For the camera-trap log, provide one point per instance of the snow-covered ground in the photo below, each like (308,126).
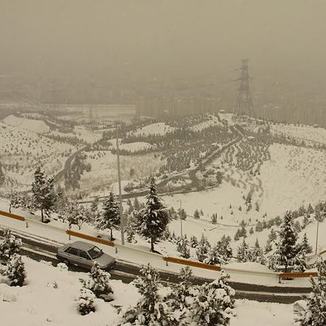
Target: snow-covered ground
(33,125)
(301,132)
(39,303)
(103,175)
(211,121)
(294,176)
(159,129)
(23,150)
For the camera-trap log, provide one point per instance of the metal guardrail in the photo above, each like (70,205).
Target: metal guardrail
(191,263)
(168,259)
(90,238)
(290,275)
(13,216)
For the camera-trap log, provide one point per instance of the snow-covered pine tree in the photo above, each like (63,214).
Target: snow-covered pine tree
(288,239)
(43,192)
(183,248)
(150,310)
(314,314)
(151,222)
(193,241)
(213,303)
(224,248)
(110,218)
(74,214)
(257,254)
(242,254)
(214,256)
(99,283)
(94,209)
(305,247)
(15,201)
(196,214)
(181,296)
(9,246)
(86,302)
(130,232)
(202,249)
(15,271)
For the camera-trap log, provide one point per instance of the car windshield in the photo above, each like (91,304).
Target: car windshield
(95,252)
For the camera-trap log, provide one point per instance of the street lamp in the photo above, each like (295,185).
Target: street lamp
(122,227)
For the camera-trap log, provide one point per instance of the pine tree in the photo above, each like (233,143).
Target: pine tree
(288,238)
(214,256)
(196,214)
(110,218)
(242,254)
(213,303)
(183,248)
(193,241)
(202,249)
(305,247)
(257,254)
(9,246)
(98,283)
(74,214)
(150,309)
(86,302)
(182,214)
(15,271)
(94,209)
(181,296)
(224,248)
(43,192)
(151,222)
(314,314)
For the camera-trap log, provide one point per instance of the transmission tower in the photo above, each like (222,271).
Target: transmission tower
(244,103)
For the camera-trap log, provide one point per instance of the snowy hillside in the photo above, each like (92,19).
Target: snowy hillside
(37,126)
(61,289)
(159,129)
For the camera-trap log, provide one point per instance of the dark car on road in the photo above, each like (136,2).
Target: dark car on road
(84,255)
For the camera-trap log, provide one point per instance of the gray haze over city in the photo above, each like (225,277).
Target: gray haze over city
(111,52)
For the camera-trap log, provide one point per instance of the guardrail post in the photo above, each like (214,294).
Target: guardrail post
(116,250)
(26,224)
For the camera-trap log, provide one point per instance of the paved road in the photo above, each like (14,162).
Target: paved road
(127,272)
(192,174)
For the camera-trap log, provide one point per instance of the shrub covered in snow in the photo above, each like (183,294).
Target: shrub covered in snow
(86,302)
(9,246)
(314,313)
(98,283)
(15,271)
(213,303)
(151,309)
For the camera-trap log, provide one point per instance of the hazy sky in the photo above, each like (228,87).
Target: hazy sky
(284,39)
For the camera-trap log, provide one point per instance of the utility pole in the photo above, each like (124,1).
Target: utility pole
(119,183)
(317,235)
